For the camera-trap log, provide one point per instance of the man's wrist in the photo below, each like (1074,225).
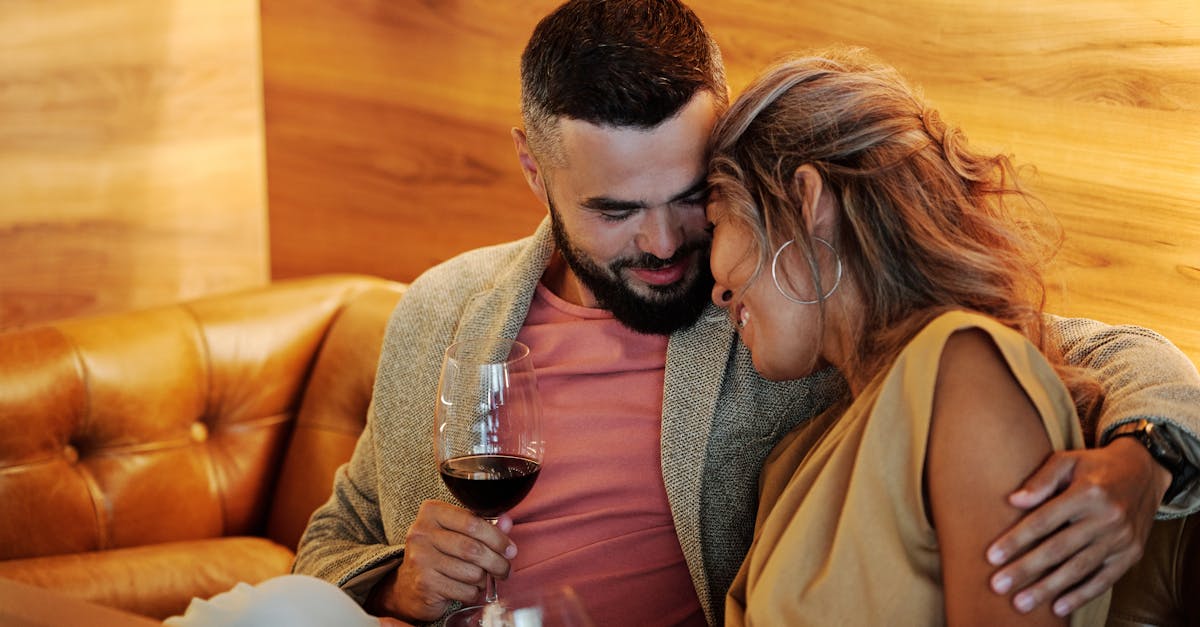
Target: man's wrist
(1163,450)
(379,602)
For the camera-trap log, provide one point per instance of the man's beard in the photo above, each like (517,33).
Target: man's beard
(676,307)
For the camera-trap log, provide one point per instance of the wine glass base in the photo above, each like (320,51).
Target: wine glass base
(473,616)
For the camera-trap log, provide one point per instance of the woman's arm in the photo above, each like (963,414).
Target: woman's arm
(986,437)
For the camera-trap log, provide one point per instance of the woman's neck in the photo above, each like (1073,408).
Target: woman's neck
(843,327)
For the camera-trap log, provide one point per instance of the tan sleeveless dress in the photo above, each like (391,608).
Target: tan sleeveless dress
(842,537)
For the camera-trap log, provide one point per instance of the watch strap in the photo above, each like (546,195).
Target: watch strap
(1164,451)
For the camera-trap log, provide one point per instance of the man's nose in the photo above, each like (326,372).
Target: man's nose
(661,232)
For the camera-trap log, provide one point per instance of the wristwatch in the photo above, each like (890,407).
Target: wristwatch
(1163,450)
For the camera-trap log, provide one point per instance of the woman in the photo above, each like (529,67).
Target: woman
(853,229)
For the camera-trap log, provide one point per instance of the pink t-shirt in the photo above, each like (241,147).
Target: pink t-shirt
(598,518)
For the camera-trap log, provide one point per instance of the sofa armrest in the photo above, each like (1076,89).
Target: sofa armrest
(157,580)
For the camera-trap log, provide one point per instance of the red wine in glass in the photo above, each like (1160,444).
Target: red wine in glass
(490,485)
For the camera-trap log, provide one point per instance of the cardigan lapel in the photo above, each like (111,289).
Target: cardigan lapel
(696,360)
(501,310)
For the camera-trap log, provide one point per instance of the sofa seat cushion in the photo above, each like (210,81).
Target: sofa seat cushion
(157,580)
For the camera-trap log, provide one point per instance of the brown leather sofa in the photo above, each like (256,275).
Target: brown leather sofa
(153,456)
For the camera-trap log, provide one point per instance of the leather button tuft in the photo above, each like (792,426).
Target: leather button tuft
(199,432)
(71,454)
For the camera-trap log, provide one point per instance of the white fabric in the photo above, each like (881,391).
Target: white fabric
(293,600)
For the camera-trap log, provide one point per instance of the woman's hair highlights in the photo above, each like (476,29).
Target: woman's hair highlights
(926,223)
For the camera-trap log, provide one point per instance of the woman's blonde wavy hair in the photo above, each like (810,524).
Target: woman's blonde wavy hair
(926,223)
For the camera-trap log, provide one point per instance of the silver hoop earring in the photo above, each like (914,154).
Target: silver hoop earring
(775,277)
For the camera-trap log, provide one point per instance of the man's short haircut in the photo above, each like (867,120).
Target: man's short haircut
(619,63)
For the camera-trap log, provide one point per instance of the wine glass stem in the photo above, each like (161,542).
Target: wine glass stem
(490,595)
(489,590)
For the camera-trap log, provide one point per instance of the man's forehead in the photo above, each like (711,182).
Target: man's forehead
(642,166)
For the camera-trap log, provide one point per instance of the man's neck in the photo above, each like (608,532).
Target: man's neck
(559,279)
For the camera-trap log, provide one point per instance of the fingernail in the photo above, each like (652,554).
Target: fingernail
(1001,583)
(995,556)
(1024,602)
(511,551)
(1062,608)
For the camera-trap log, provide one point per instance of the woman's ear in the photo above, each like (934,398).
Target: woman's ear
(817,208)
(529,166)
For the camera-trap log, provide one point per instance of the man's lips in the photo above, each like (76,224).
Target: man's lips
(666,275)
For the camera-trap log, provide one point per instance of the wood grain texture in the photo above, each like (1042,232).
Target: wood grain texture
(388,132)
(388,147)
(132,168)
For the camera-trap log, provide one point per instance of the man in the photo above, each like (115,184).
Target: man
(656,424)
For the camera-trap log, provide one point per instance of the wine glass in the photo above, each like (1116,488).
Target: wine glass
(487,435)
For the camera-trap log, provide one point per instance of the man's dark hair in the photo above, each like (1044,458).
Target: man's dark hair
(615,63)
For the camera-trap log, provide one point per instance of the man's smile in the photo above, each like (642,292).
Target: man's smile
(666,275)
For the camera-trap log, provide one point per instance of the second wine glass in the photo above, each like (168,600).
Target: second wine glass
(487,434)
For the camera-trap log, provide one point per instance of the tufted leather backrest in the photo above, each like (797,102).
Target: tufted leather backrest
(172,423)
(332,414)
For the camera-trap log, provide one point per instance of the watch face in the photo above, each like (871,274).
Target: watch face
(1161,447)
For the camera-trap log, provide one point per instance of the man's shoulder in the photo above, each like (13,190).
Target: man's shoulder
(434,303)
(473,269)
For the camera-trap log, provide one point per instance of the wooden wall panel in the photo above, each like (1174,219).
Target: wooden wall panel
(388,148)
(132,170)
(388,132)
